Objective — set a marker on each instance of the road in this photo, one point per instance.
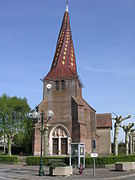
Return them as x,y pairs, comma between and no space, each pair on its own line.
21,172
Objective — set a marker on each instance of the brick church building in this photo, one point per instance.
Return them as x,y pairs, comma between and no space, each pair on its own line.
74,119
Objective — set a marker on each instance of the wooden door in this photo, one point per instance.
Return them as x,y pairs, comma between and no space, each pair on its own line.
63,145
55,146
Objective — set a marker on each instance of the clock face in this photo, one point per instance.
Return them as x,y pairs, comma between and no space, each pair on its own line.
49,86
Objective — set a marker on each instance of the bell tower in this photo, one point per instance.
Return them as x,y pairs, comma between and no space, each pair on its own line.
74,119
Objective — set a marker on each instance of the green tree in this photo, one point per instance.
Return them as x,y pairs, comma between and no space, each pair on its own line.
29,131
24,140
13,117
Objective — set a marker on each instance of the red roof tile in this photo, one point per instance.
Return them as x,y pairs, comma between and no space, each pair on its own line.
104,120
64,62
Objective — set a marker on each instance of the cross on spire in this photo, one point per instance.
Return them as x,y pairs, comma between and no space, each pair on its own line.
66,5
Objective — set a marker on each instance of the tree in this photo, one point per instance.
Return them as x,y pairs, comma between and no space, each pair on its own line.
127,129
29,131
13,112
131,134
118,120
23,140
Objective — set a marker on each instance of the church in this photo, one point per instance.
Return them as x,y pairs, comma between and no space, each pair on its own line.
74,120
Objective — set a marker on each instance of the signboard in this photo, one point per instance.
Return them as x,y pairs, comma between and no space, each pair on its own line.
74,150
94,155
93,143
82,151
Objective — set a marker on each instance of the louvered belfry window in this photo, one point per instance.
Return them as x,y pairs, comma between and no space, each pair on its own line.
62,84
57,85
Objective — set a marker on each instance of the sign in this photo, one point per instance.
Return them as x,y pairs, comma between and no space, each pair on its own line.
81,151
94,155
93,143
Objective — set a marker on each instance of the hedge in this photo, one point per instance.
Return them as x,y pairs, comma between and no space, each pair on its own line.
100,161
35,160
8,159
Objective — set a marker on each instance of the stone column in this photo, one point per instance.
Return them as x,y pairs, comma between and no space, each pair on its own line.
46,139
59,146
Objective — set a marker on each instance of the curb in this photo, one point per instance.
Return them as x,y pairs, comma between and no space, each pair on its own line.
118,177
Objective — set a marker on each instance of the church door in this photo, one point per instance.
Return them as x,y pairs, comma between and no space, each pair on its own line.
55,146
63,145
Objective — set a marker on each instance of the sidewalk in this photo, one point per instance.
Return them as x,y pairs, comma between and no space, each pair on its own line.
21,172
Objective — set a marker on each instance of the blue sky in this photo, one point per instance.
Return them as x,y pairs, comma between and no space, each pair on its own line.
104,39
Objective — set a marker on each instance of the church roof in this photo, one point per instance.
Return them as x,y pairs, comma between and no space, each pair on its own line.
64,62
81,102
104,120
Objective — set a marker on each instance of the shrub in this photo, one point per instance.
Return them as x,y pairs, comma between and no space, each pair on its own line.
100,161
52,161
32,160
8,159
58,164
35,160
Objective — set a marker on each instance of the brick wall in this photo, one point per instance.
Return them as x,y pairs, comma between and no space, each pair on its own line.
70,110
105,140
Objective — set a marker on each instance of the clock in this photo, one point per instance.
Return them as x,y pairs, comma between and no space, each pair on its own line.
49,86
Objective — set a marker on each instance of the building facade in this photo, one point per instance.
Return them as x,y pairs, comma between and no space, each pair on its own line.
104,127
74,119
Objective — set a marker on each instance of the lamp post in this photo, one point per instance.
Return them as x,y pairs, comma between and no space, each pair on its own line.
41,171
36,115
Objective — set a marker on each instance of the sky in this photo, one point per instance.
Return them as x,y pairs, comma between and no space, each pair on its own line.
103,34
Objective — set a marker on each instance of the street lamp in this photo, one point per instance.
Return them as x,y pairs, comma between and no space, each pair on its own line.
36,115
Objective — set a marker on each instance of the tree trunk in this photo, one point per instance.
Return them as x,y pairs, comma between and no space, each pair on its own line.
4,144
116,138
9,145
133,148
130,144
126,142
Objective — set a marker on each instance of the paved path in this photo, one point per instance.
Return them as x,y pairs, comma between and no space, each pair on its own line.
21,172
